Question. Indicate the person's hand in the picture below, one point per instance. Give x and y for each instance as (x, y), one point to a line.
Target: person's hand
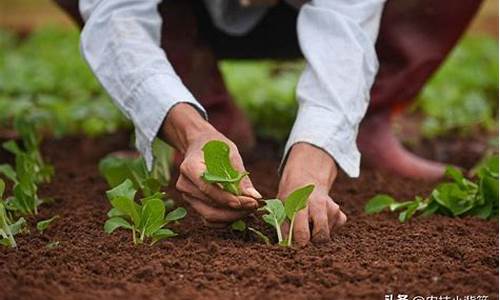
(307, 164)
(186, 130)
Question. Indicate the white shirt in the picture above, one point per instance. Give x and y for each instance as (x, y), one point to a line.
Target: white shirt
(121, 38)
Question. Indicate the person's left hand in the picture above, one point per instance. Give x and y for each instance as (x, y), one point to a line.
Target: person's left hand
(307, 164)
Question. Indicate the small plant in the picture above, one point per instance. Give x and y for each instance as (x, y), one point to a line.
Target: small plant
(460, 197)
(146, 220)
(219, 169)
(30, 170)
(42, 225)
(8, 229)
(221, 172)
(116, 170)
(277, 213)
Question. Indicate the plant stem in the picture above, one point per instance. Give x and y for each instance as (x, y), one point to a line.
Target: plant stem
(278, 231)
(290, 233)
(142, 235)
(133, 236)
(8, 234)
(233, 189)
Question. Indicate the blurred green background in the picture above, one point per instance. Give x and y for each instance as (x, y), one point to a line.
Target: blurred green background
(43, 78)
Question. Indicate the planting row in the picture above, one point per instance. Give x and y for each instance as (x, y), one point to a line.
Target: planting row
(139, 205)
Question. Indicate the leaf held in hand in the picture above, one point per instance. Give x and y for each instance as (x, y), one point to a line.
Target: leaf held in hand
(219, 168)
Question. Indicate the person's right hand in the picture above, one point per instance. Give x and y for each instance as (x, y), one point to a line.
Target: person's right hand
(186, 130)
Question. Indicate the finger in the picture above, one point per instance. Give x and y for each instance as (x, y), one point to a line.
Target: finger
(193, 172)
(185, 186)
(212, 214)
(215, 225)
(246, 185)
(301, 234)
(336, 217)
(248, 189)
(318, 213)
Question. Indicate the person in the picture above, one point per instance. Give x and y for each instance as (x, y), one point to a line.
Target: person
(158, 62)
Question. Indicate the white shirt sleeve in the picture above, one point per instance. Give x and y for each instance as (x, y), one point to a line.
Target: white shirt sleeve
(120, 42)
(337, 38)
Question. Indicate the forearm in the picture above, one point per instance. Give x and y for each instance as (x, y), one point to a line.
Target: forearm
(337, 39)
(120, 42)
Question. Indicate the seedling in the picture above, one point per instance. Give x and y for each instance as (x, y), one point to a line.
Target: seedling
(459, 197)
(116, 170)
(8, 229)
(220, 171)
(277, 213)
(41, 226)
(30, 170)
(146, 220)
(219, 168)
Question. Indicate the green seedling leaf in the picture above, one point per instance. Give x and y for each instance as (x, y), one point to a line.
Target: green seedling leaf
(44, 224)
(8, 172)
(409, 212)
(146, 218)
(175, 215)
(169, 204)
(476, 197)
(116, 222)
(12, 147)
(400, 205)
(295, 202)
(275, 215)
(114, 212)
(456, 200)
(151, 186)
(20, 226)
(53, 245)
(260, 235)
(115, 170)
(152, 217)
(432, 208)
(2, 188)
(454, 174)
(128, 207)
(378, 204)
(125, 190)
(219, 167)
(118, 169)
(239, 225)
(162, 234)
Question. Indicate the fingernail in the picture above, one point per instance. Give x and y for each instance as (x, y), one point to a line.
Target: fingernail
(248, 202)
(254, 193)
(235, 204)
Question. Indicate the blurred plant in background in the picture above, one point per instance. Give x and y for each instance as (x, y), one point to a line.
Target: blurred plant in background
(266, 91)
(464, 93)
(43, 79)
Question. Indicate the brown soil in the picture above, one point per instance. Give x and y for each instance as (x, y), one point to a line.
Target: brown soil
(370, 257)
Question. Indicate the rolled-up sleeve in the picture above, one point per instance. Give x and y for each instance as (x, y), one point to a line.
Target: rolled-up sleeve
(337, 38)
(120, 42)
